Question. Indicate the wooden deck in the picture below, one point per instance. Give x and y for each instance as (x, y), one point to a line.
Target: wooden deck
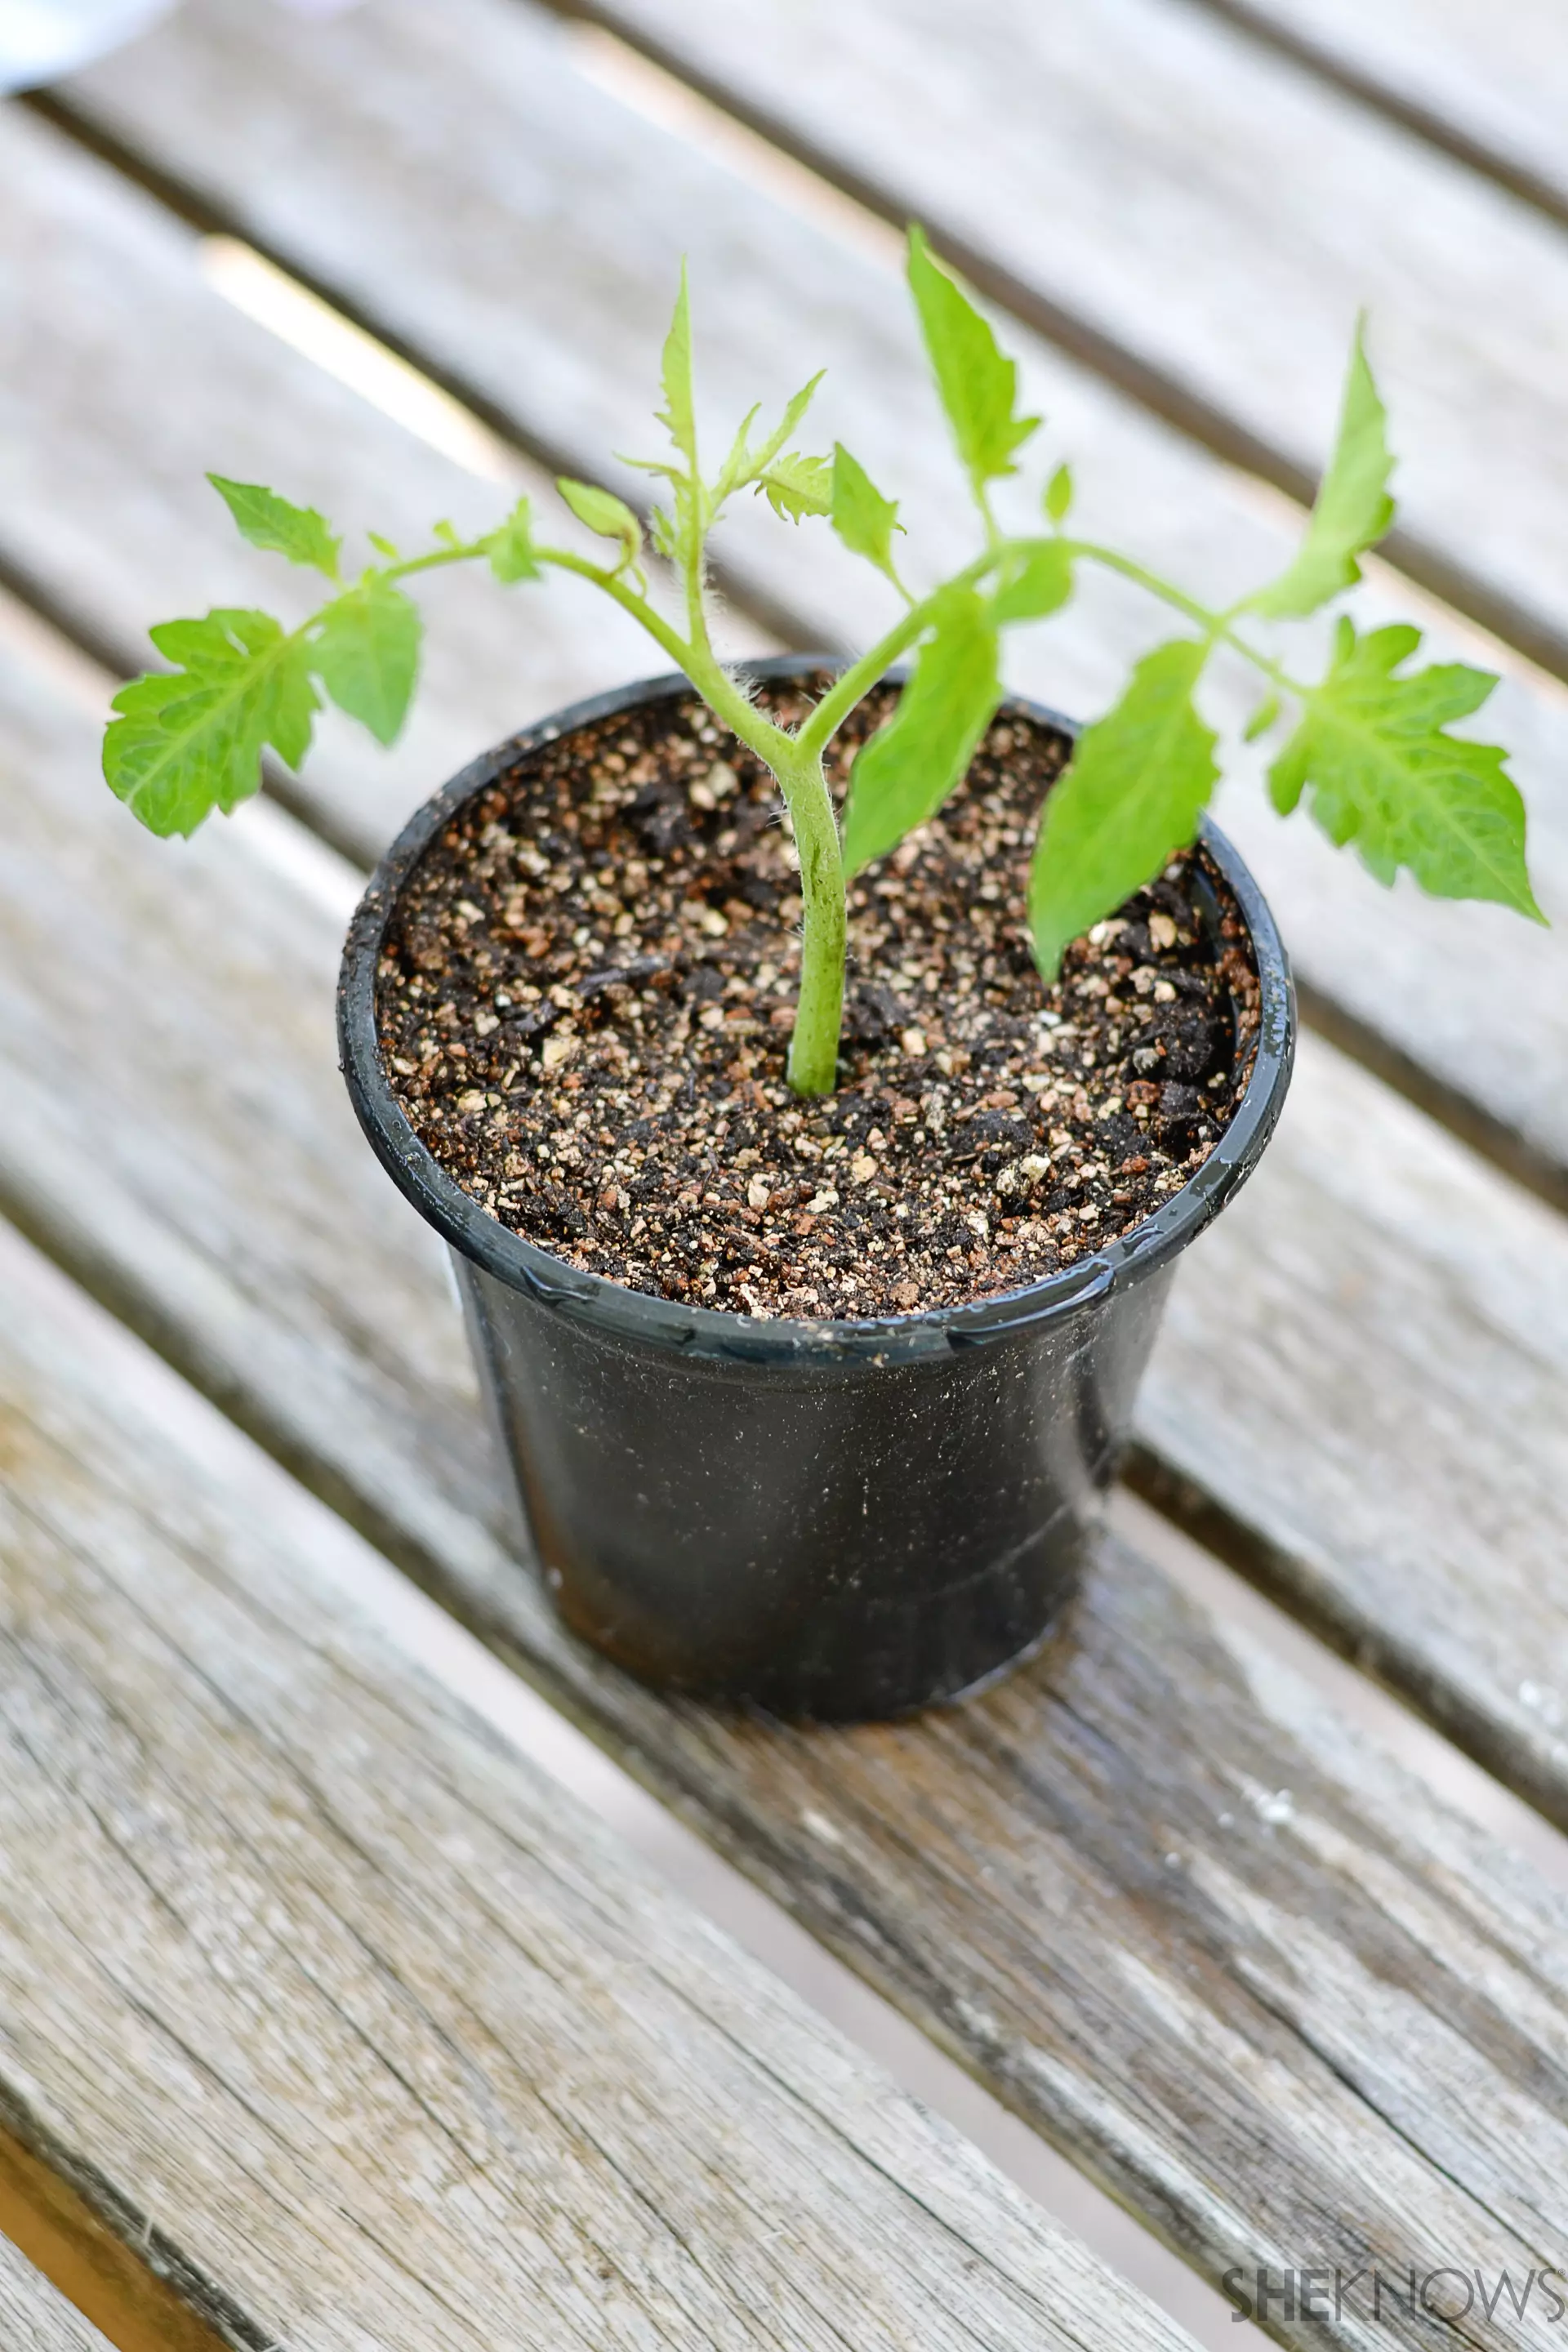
(326, 2023)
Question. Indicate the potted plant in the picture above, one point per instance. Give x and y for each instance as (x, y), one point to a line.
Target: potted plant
(814, 1185)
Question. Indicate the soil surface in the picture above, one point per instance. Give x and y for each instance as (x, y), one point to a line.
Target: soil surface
(586, 1002)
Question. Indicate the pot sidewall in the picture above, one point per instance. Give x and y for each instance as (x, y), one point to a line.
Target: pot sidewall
(832, 1520)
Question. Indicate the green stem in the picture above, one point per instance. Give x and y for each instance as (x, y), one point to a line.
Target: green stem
(795, 762)
(438, 556)
(798, 773)
(800, 777)
(819, 1009)
(1212, 624)
(849, 690)
(1217, 626)
(1271, 669)
(621, 591)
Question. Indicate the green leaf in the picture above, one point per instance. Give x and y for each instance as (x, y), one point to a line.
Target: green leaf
(1354, 509)
(1266, 716)
(739, 465)
(1042, 585)
(752, 464)
(979, 387)
(267, 520)
(1138, 785)
(678, 414)
(511, 546)
(796, 486)
(191, 741)
(864, 519)
(1374, 751)
(1058, 499)
(905, 772)
(366, 654)
(604, 513)
(383, 546)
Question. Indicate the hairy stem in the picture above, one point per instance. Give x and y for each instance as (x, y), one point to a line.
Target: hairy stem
(814, 1048)
(798, 773)
(669, 640)
(795, 762)
(847, 693)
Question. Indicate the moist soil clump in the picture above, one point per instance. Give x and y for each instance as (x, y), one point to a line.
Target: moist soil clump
(585, 999)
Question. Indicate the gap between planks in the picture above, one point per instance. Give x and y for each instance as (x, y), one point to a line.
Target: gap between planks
(786, 627)
(99, 2293)
(1299, 1933)
(1438, 110)
(1118, 361)
(358, 2027)
(1446, 987)
(60, 2232)
(1518, 1744)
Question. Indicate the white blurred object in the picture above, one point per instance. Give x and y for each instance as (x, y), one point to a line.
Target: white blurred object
(40, 39)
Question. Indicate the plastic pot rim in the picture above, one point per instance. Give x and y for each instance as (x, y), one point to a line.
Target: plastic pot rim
(717, 1334)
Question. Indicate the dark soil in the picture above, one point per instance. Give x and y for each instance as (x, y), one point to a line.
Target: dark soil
(585, 1004)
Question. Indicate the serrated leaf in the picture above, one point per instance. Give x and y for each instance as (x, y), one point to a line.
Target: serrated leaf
(511, 546)
(267, 520)
(1058, 498)
(739, 465)
(864, 519)
(1266, 716)
(906, 772)
(1042, 585)
(1140, 781)
(754, 463)
(604, 513)
(796, 486)
(979, 387)
(1373, 751)
(366, 654)
(1354, 509)
(678, 414)
(191, 741)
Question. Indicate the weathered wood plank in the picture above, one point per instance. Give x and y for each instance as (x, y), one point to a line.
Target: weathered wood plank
(33, 2317)
(367, 2032)
(394, 199)
(1222, 2039)
(1204, 218)
(1490, 84)
(104, 2279)
(123, 377)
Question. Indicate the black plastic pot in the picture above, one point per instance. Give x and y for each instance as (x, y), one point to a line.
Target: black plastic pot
(836, 1520)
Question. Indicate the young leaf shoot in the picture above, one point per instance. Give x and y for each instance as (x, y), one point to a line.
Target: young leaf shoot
(1371, 751)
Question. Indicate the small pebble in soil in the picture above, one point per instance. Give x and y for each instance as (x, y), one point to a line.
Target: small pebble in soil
(585, 999)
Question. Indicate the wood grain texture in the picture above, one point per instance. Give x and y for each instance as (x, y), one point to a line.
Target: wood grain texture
(1492, 83)
(33, 2317)
(1235, 2042)
(1206, 217)
(102, 2277)
(1373, 1279)
(368, 2032)
(324, 142)
(123, 377)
